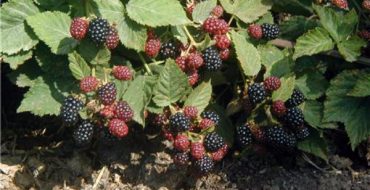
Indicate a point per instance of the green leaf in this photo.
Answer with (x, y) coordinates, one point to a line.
(351, 49)
(111, 10)
(157, 12)
(225, 128)
(78, 66)
(25, 75)
(38, 100)
(313, 42)
(296, 26)
(247, 10)
(352, 111)
(312, 84)
(200, 96)
(17, 59)
(15, 34)
(266, 18)
(135, 97)
(276, 62)
(285, 90)
(131, 34)
(179, 33)
(172, 85)
(102, 57)
(362, 87)
(313, 113)
(338, 25)
(247, 55)
(315, 144)
(53, 29)
(202, 10)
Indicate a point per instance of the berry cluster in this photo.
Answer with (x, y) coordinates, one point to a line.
(98, 29)
(101, 107)
(267, 31)
(193, 136)
(285, 129)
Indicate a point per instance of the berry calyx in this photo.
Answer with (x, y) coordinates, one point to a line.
(255, 31)
(107, 93)
(118, 128)
(152, 47)
(98, 30)
(123, 111)
(278, 108)
(272, 83)
(256, 93)
(88, 84)
(112, 39)
(197, 150)
(181, 143)
(213, 142)
(78, 28)
(222, 41)
(122, 73)
(190, 112)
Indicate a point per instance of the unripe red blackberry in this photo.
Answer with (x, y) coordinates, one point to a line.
(224, 54)
(215, 26)
(181, 143)
(159, 120)
(278, 108)
(181, 62)
(342, 4)
(108, 111)
(123, 111)
(168, 135)
(204, 164)
(220, 153)
(118, 128)
(222, 41)
(122, 72)
(152, 47)
(79, 27)
(255, 31)
(206, 123)
(272, 83)
(194, 61)
(365, 34)
(197, 150)
(191, 112)
(217, 11)
(107, 93)
(193, 77)
(88, 84)
(112, 39)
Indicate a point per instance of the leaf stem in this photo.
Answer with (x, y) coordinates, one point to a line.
(93, 71)
(192, 41)
(231, 19)
(145, 64)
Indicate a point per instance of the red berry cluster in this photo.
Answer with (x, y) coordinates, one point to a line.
(80, 26)
(195, 144)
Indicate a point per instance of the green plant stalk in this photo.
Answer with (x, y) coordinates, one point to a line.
(145, 64)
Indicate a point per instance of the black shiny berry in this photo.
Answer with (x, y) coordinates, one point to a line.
(212, 116)
(179, 122)
(212, 59)
(168, 50)
(296, 99)
(69, 110)
(244, 135)
(107, 93)
(83, 134)
(213, 141)
(181, 158)
(98, 30)
(279, 137)
(270, 31)
(204, 165)
(294, 117)
(256, 93)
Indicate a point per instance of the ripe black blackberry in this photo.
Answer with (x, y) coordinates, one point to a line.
(212, 116)
(296, 99)
(98, 30)
(294, 117)
(212, 59)
(83, 134)
(168, 50)
(278, 137)
(69, 110)
(179, 122)
(107, 93)
(256, 93)
(212, 142)
(204, 165)
(301, 132)
(181, 158)
(243, 136)
(270, 31)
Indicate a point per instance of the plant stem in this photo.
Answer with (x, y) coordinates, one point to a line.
(192, 41)
(93, 71)
(145, 64)
(231, 19)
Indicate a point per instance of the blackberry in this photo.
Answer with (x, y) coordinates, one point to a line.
(204, 165)
(83, 134)
(69, 110)
(197, 150)
(278, 108)
(255, 31)
(213, 142)
(78, 28)
(278, 137)
(123, 111)
(179, 122)
(112, 39)
(301, 132)
(296, 99)
(181, 158)
(243, 135)
(191, 112)
(99, 30)
(256, 93)
(294, 117)
(272, 83)
(107, 93)
(168, 50)
(212, 116)
(181, 143)
(270, 31)
(212, 59)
